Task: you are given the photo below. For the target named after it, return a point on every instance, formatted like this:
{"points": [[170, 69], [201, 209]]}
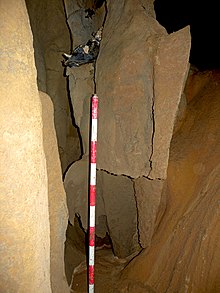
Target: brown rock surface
{"points": [[136, 100], [81, 80], [120, 209], [76, 186], [75, 249], [184, 254], [170, 73], [58, 214], [51, 39], [130, 115], [125, 87], [24, 225], [81, 89], [115, 200], [148, 196]]}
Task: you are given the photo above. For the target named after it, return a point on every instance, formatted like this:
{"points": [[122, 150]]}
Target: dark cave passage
{"points": [[203, 18]]}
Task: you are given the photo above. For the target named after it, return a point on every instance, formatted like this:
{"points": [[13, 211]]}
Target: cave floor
{"points": [[107, 273]]}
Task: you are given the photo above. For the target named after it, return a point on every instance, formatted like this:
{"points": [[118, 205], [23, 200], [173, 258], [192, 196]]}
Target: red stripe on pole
{"points": [[92, 195], [91, 236], [91, 275], [94, 107], [92, 190], [93, 151]]}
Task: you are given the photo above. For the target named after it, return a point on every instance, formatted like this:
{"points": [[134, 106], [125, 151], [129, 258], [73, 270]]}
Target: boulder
{"points": [[116, 212], [121, 212]]}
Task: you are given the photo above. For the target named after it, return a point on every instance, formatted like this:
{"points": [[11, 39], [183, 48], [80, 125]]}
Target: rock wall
{"points": [[24, 228], [51, 39], [81, 81], [33, 201], [139, 77], [184, 254], [58, 215]]}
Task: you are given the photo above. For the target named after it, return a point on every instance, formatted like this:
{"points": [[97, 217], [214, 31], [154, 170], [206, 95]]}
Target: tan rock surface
{"points": [[75, 249], [24, 225], [136, 100], [58, 214], [170, 73], [184, 254]]}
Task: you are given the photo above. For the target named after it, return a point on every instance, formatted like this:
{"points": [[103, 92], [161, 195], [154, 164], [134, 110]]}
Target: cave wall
{"points": [[24, 228], [51, 39], [139, 77], [57, 206], [32, 198], [184, 254]]}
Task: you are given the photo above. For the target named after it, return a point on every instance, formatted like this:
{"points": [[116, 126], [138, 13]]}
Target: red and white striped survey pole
{"points": [[92, 197]]}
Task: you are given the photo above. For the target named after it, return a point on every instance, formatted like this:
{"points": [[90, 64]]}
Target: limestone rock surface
{"points": [[24, 216], [124, 78], [120, 209], [148, 196], [183, 255], [139, 60], [115, 206], [58, 214], [76, 186], [170, 73], [81, 80], [51, 39]]}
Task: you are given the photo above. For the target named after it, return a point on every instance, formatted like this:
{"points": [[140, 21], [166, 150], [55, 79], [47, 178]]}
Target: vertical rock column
{"points": [[56, 198], [146, 71], [24, 228]]}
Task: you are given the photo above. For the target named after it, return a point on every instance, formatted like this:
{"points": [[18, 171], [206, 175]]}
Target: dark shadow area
{"points": [[204, 21], [74, 124]]}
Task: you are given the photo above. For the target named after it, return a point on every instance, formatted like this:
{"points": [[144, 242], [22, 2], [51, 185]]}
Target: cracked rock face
{"points": [[170, 73], [146, 72], [184, 254], [136, 65], [116, 211], [126, 63]]}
